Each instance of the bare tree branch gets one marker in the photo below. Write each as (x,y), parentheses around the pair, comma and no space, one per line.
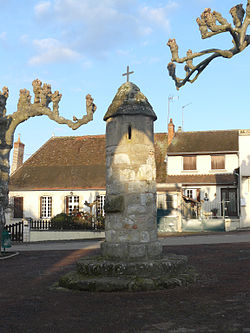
(211,24)
(42,98)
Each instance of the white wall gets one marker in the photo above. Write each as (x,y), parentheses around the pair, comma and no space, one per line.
(244,159)
(31,201)
(39,236)
(244,152)
(203,165)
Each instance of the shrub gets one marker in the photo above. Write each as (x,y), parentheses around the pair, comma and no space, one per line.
(62,222)
(77,221)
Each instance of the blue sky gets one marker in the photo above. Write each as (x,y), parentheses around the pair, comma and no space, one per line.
(84,46)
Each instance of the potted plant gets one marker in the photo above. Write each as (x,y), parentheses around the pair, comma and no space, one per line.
(214,211)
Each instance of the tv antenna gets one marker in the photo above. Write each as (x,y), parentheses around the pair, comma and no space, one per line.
(170,99)
(182,116)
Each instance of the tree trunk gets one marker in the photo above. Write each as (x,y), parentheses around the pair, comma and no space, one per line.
(5,148)
(4,182)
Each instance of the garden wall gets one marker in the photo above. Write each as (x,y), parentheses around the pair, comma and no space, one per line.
(44,235)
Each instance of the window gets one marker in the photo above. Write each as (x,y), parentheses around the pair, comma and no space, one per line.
(18,207)
(45,207)
(71,204)
(100,205)
(189,162)
(192,193)
(217,162)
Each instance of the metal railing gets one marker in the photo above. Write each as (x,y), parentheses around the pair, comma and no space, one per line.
(205,210)
(49,225)
(16,231)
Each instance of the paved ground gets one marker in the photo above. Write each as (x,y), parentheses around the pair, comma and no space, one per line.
(169,240)
(56,246)
(218,302)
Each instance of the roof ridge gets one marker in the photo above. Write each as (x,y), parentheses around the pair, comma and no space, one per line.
(78,136)
(226,130)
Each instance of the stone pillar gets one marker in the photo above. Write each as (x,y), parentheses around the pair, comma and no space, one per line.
(130,225)
(26,231)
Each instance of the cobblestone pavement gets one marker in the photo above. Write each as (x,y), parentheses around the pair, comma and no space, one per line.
(218,302)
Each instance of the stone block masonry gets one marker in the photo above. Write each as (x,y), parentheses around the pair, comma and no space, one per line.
(131,230)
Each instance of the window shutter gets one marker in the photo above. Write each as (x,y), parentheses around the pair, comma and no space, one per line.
(21,206)
(198,195)
(18,207)
(67,205)
(41,199)
(189,162)
(218,162)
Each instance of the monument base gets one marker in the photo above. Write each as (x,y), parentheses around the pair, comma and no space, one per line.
(102,274)
(132,251)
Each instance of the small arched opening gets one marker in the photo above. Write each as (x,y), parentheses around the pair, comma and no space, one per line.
(129,132)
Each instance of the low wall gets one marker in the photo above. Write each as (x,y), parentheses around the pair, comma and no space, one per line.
(167,224)
(194,225)
(232,224)
(44,235)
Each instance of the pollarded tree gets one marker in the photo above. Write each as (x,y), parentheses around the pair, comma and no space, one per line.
(43,96)
(210,24)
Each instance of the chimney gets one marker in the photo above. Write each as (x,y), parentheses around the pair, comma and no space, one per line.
(179,129)
(170,131)
(17,155)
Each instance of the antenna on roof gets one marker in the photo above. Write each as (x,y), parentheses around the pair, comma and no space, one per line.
(170,99)
(182,116)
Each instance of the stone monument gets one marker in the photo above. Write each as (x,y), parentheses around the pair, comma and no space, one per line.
(131,255)
(130,223)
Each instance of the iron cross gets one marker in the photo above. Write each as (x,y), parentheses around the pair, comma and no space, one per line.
(127,73)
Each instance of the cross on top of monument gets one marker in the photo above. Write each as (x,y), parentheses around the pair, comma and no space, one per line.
(127,73)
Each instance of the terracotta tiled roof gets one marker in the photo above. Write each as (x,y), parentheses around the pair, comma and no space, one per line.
(202,142)
(219,179)
(74,163)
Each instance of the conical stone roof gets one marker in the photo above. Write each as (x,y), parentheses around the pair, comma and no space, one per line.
(129,100)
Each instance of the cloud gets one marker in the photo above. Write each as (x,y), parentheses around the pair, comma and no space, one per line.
(3,36)
(158,16)
(51,50)
(42,8)
(95,27)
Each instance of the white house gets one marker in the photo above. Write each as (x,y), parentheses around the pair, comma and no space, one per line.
(205,164)
(204,167)
(63,174)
